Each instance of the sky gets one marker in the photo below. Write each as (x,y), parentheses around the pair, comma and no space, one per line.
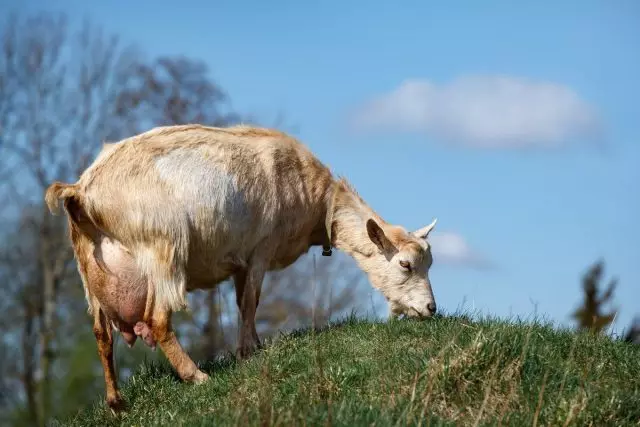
(515,124)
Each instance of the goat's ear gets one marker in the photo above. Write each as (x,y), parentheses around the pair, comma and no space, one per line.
(423,232)
(376,234)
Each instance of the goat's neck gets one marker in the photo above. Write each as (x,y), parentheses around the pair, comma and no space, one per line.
(347,218)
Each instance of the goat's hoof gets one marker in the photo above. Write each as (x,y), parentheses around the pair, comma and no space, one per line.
(247,350)
(199,377)
(116,404)
(243,353)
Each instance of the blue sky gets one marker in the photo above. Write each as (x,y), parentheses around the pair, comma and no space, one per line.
(514,123)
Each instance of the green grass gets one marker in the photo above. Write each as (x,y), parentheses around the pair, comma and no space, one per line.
(445,371)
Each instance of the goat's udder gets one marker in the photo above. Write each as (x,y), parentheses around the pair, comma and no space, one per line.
(143,330)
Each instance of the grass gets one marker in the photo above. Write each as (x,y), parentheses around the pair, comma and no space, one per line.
(445,371)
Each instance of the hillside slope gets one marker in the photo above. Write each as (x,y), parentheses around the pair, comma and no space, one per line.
(446,371)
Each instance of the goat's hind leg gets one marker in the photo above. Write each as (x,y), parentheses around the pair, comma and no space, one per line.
(104,338)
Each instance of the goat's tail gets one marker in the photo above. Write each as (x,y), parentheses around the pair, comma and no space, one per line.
(73,205)
(57,191)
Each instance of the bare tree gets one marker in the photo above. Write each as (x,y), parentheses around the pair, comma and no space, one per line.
(58,101)
(23,304)
(174,91)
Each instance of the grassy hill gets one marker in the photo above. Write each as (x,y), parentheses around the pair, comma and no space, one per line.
(446,371)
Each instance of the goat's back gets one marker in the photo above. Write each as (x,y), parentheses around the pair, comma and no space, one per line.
(208,191)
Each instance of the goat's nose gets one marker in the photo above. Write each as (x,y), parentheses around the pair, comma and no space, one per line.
(432,307)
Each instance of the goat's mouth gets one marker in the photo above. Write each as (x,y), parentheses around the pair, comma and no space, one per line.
(410,313)
(415,314)
(409,310)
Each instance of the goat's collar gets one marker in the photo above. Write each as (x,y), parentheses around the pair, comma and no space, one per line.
(326,248)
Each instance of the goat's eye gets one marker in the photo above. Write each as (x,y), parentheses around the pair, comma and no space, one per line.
(406,265)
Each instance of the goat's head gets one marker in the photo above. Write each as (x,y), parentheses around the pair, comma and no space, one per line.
(399,268)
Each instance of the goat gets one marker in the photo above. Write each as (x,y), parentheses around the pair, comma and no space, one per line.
(179,208)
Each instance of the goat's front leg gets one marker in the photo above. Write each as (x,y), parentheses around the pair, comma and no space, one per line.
(104,339)
(248,284)
(163,334)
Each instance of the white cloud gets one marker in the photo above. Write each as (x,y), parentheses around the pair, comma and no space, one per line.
(482,111)
(451,248)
